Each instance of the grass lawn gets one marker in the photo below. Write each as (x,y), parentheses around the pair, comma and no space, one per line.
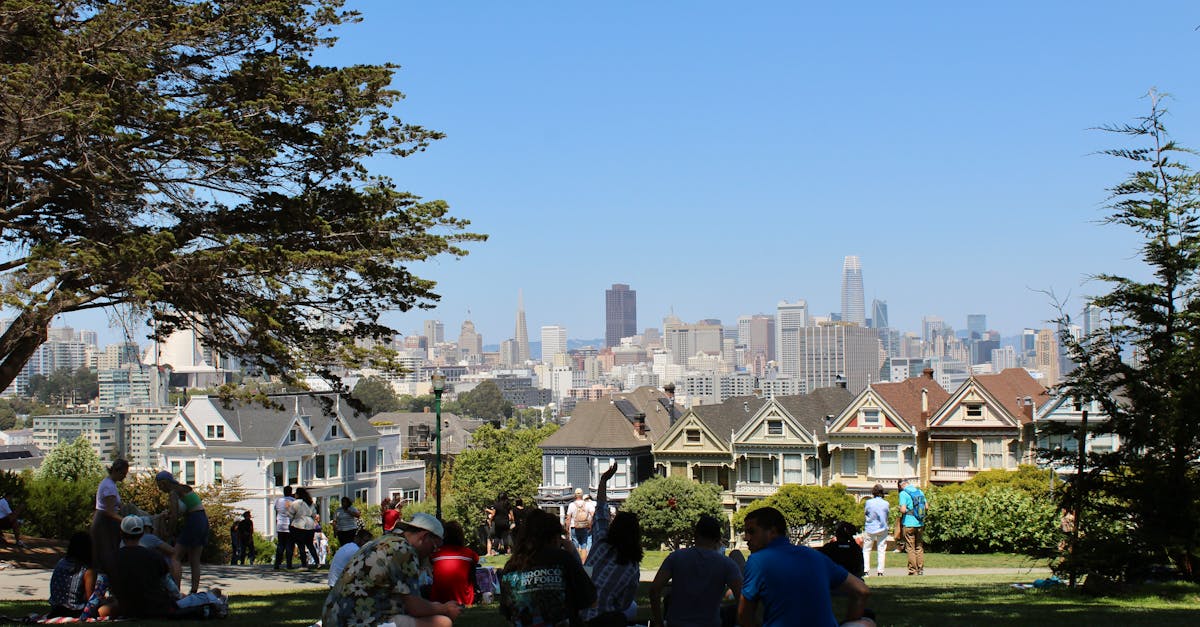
(900,601)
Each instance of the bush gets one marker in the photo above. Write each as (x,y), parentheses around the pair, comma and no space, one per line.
(1001,518)
(59,507)
(140,491)
(667,508)
(809,510)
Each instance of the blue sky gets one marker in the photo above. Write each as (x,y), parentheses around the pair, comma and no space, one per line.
(721,157)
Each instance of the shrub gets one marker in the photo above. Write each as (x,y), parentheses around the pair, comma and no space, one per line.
(667,508)
(809,510)
(59,507)
(1001,518)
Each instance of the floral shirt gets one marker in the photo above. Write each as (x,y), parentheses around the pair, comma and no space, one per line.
(370,590)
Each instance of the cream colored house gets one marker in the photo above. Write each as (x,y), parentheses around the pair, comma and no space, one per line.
(698,445)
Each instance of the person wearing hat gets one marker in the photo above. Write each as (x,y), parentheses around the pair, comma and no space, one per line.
(184,502)
(382,582)
(698,577)
(579,523)
(138,582)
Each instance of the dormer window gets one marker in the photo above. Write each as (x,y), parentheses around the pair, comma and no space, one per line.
(693,436)
(870,417)
(333,430)
(216,432)
(974,411)
(292,435)
(774,427)
(181,436)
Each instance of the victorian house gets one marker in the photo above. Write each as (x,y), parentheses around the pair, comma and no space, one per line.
(1056,427)
(699,445)
(987,423)
(877,438)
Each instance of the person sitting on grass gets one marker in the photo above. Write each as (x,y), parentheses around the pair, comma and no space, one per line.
(698,577)
(454,569)
(844,551)
(9,520)
(337,564)
(73,579)
(138,583)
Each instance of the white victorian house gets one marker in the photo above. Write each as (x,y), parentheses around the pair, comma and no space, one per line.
(310,440)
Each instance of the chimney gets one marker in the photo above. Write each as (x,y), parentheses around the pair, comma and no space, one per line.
(639,426)
(746,406)
(840,382)
(927,373)
(925,400)
(1027,407)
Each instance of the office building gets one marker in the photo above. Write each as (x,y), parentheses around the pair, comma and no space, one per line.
(521,337)
(470,343)
(879,314)
(852,292)
(554,342)
(790,320)
(1046,356)
(834,350)
(976,326)
(757,334)
(100,429)
(620,314)
(435,333)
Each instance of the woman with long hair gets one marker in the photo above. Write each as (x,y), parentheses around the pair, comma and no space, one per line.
(543,582)
(106,522)
(73,578)
(615,560)
(184,503)
(304,526)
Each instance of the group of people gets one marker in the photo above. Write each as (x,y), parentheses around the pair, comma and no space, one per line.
(298,527)
(122,568)
(501,520)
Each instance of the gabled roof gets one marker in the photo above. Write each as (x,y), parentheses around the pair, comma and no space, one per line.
(606,424)
(1010,387)
(904,397)
(257,426)
(725,418)
(810,410)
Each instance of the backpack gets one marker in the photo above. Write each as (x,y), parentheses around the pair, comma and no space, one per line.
(582,519)
(919,507)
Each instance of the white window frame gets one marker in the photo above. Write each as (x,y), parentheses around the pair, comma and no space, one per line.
(293,435)
(620,479)
(189,472)
(872,417)
(793,469)
(334,468)
(361,495)
(693,436)
(216,432)
(972,411)
(993,454)
(775,427)
(333,430)
(361,461)
(181,436)
(319,466)
(887,460)
(218,472)
(849,463)
(558,471)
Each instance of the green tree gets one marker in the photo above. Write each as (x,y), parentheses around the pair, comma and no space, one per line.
(186,160)
(72,461)
(999,517)
(1034,481)
(499,460)
(8,416)
(1152,480)
(808,509)
(377,395)
(485,402)
(667,508)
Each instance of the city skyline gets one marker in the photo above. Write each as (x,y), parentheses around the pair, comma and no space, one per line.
(720,159)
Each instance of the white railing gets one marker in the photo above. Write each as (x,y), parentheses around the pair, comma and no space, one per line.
(765,489)
(404,464)
(953,474)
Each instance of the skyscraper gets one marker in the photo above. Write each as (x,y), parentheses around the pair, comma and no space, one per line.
(554,342)
(521,337)
(790,320)
(470,343)
(976,326)
(852,291)
(879,314)
(435,333)
(620,314)
(832,349)
(757,334)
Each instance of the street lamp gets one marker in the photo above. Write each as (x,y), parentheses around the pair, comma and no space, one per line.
(439,385)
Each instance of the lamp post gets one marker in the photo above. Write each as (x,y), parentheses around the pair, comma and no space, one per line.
(1081,405)
(439,385)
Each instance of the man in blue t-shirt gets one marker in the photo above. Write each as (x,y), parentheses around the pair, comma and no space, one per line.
(792,583)
(913,527)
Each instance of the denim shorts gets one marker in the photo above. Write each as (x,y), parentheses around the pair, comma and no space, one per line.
(195,529)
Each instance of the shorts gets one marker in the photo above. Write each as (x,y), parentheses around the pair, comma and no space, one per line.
(8,521)
(195,529)
(403,620)
(581,537)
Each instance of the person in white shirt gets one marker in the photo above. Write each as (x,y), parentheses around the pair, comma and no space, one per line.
(9,520)
(579,523)
(343,555)
(283,528)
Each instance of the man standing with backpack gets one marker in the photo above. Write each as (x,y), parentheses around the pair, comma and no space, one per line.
(579,523)
(912,509)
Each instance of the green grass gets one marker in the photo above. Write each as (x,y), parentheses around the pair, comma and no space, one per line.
(899,601)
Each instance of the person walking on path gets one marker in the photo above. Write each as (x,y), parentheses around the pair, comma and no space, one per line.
(792,582)
(912,507)
(579,524)
(284,543)
(346,521)
(303,528)
(245,534)
(875,530)
(106,522)
(184,502)
(698,576)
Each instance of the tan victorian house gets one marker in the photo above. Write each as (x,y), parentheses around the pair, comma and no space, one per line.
(987,423)
(878,437)
(699,444)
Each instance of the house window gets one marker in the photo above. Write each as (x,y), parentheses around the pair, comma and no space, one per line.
(793,469)
(812,469)
(870,417)
(887,463)
(189,472)
(993,453)
(974,411)
(277,471)
(774,427)
(378,457)
(619,480)
(849,463)
(360,461)
(558,471)
(760,470)
(333,430)
(216,432)
(175,468)
(293,471)
(360,495)
(292,435)
(319,466)
(412,496)
(181,436)
(706,474)
(218,472)
(693,436)
(334,465)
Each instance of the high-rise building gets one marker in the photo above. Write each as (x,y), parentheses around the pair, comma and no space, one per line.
(684,341)
(435,333)
(976,326)
(879,314)
(554,342)
(470,343)
(521,337)
(932,327)
(790,320)
(757,334)
(1092,319)
(620,314)
(839,349)
(1046,357)
(852,292)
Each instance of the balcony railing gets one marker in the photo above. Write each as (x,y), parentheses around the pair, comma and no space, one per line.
(755,489)
(952,474)
(404,464)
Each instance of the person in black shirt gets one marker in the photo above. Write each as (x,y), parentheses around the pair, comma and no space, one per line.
(138,581)
(502,519)
(844,551)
